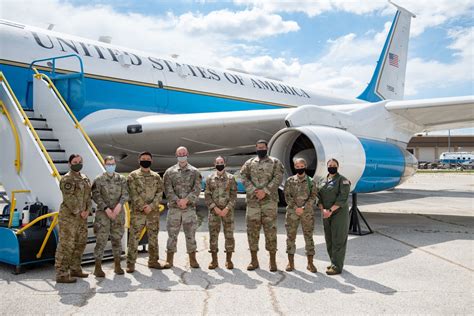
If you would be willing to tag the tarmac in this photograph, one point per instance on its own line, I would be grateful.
(419, 260)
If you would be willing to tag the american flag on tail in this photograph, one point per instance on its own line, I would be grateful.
(393, 59)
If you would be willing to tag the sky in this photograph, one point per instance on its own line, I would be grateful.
(327, 45)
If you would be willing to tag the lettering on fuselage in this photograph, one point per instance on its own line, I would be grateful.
(112, 54)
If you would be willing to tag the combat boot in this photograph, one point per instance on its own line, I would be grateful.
(332, 271)
(254, 261)
(169, 260)
(98, 272)
(214, 264)
(228, 261)
(310, 266)
(192, 260)
(65, 279)
(291, 263)
(130, 267)
(154, 265)
(79, 273)
(273, 264)
(117, 268)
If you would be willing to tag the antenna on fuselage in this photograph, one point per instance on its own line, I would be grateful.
(105, 39)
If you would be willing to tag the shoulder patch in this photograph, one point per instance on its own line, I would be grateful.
(346, 182)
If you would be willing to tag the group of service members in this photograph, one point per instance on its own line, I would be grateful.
(144, 188)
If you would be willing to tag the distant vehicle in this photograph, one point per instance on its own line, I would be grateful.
(456, 158)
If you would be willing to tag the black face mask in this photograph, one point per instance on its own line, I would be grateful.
(262, 153)
(332, 170)
(77, 167)
(145, 163)
(220, 167)
(301, 171)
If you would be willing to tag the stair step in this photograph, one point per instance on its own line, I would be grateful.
(40, 119)
(60, 161)
(49, 139)
(56, 151)
(46, 129)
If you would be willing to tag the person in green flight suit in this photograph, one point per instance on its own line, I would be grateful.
(333, 194)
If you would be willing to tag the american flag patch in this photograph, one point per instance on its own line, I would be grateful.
(346, 182)
(393, 59)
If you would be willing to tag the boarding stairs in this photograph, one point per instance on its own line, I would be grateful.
(36, 143)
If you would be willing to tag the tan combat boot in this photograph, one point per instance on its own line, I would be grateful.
(333, 271)
(65, 279)
(154, 265)
(228, 261)
(169, 260)
(310, 266)
(130, 267)
(79, 273)
(117, 268)
(273, 264)
(192, 260)
(291, 263)
(254, 261)
(98, 272)
(214, 263)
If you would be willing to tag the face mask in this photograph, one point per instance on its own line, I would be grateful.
(76, 167)
(110, 168)
(182, 159)
(262, 153)
(332, 170)
(145, 163)
(220, 167)
(301, 171)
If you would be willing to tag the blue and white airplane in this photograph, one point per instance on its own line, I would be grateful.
(129, 101)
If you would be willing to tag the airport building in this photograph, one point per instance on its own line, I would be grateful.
(429, 148)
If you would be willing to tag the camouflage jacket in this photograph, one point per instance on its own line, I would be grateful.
(182, 183)
(108, 191)
(221, 191)
(145, 188)
(76, 190)
(300, 192)
(265, 174)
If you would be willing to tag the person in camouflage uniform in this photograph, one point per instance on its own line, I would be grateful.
(182, 188)
(73, 212)
(146, 190)
(262, 176)
(300, 195)
(110, 193)
(220, 196)
(333, 195)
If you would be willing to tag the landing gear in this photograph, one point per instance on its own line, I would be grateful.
(354, 213)
(18, 270)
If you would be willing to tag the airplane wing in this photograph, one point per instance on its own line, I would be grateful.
(437, 113)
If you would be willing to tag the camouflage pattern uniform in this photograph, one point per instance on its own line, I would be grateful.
(144, 188)
(76, 190)
(221, 191)
(265, 174)
(182, 183)
(300, 192)
(331, 192)
(107, 192)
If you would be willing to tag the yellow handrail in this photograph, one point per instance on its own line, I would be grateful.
(17, 161)
(13, 205)
(27, 122)
(36, 220)
(142, 233)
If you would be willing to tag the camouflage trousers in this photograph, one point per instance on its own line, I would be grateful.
(215, 227)
(176, 218)
(292, 221)
(104, 227)
(72, 242)
(138, 221)
(262, 213)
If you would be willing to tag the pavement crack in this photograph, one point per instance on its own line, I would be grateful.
(442, 221)
(273, 298)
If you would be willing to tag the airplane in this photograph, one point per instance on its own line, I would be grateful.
(129, 101)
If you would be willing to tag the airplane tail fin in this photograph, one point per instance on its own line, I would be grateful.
(388, 80)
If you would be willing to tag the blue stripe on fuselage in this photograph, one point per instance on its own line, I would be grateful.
(106, 94)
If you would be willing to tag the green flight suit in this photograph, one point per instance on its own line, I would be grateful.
(331, 192)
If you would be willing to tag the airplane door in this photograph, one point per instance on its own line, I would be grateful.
(161, 94)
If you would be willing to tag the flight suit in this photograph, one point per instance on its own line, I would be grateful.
(182, 183)
(265, 174)
(221, 192)
(300, 192)
(331, 192)
(107, 192)
(76, 191)
(144, 188)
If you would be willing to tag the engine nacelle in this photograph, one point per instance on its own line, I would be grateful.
(370, 165)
